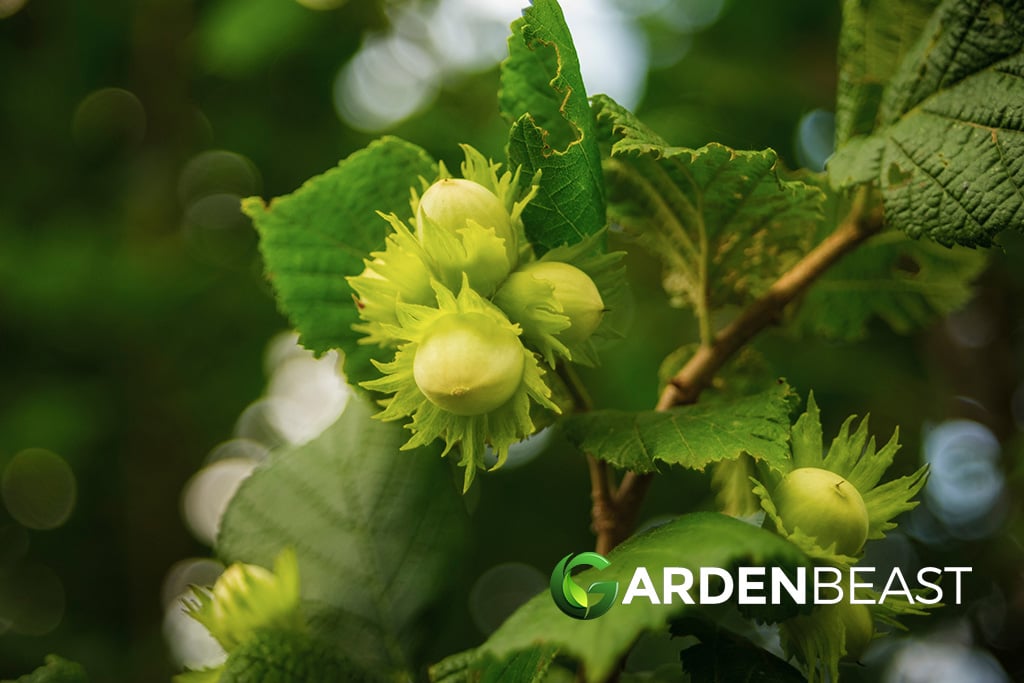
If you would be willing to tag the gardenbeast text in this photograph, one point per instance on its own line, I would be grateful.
(771, 585)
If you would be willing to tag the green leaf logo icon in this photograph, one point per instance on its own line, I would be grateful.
(571, 598)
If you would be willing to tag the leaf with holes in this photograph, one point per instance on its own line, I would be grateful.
(906, 283)
(377, 532)
(949, 151)
(725, 222)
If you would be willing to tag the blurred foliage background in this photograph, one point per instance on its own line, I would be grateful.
(135, 322)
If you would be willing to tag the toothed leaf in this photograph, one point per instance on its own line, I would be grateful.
(315, 237)
(716, 429)
(542, 95)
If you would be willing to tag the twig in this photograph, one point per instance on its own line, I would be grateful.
(603, 514)
(619, 514)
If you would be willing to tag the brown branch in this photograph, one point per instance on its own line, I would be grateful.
(685, 388)
(604, 514)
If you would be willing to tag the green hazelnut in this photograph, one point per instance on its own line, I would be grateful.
(468, 364)
(574, 291)
(450, 202)
(859, 626)
(392, 276)
(824, 505)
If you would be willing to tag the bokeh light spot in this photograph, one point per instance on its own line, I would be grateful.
(254, 424)
(191, 645)
(192, 571)
(965, 485)
(8, 8)
(396, 74)
(207, 494)
(109, 117)
(815, 135)
(219, 232)
(973, 327)
(692, 15)
(933, 661)
(217, 171)
(388, 80)
(39, 489)
(239, 448)
(308, 395)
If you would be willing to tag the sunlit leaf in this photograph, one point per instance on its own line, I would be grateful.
(314, 237)
(377, 532)
(716, 429)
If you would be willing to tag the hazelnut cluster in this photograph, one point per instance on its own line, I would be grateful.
(470, 311)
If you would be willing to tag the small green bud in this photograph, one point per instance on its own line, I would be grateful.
(247, 598)
(468, 364)
(824, 505)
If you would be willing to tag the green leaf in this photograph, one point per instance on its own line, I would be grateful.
(55, 670)
(907, 283)
(697, 540)
(273, 655)
(314, 237)
(472, 666)
(856, 162)
(377, 533)
(730, 480)
(875, 36)
(889, 500)
(725, 222)
(724, 657)
(542, 95)
(949, 148)
(200, 676)
(716, 429)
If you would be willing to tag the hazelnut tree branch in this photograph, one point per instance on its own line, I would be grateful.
(616, 508)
